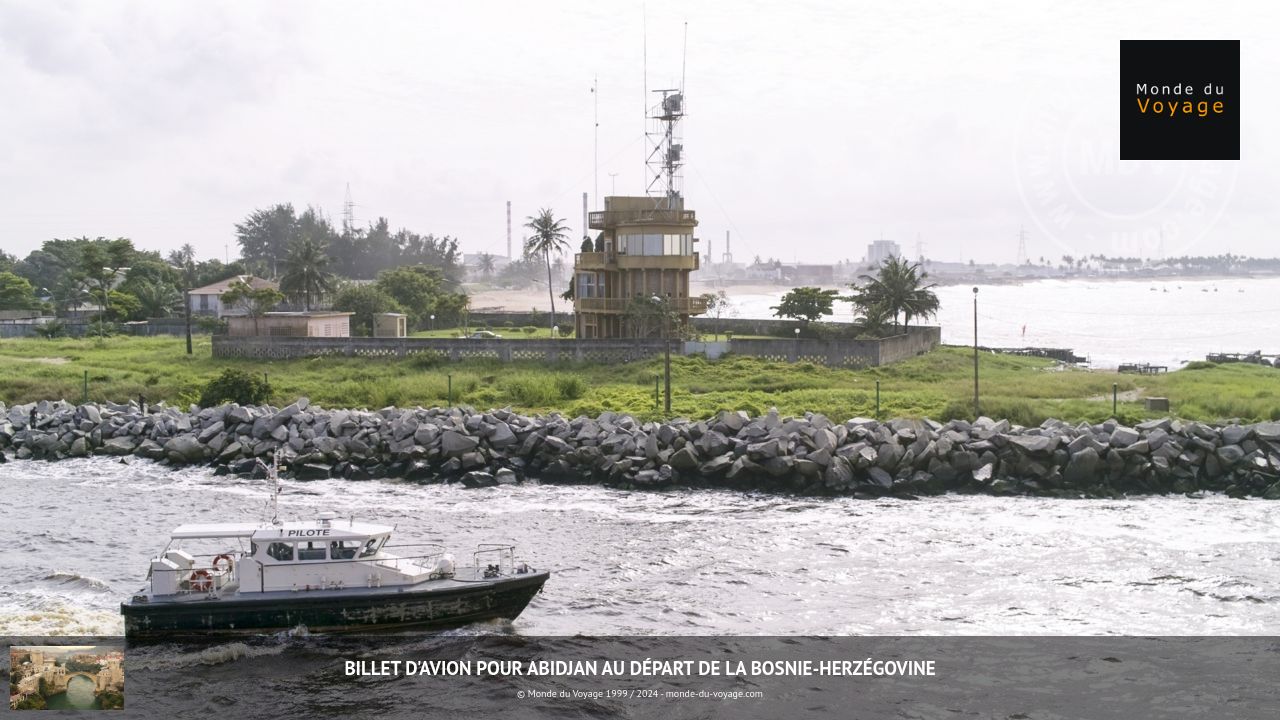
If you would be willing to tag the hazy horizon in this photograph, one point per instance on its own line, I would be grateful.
(813, 128)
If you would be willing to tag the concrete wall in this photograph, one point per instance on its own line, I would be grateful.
(836, 353)
(280, 348)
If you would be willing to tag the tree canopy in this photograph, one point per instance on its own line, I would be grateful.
(16, 293)
(806, 304)
(898, 288)
(267, 236)
(421, 291)
(366, 301)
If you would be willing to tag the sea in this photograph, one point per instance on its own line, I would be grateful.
(1166, 321)
(1027, 607)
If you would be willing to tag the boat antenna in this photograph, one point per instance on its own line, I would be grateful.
(274, 474)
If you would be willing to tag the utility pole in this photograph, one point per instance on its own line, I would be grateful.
(187, 308)
(976, 412)
(664, 304)
(509, 257)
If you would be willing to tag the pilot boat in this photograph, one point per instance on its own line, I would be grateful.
(327, 574)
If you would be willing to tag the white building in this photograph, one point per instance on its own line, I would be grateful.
(207, 300)
(880, 250)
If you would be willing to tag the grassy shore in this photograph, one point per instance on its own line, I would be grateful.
(937, 385)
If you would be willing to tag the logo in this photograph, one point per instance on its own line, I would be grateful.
(1179, 99)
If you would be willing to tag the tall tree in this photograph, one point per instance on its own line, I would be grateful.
(264, 236)
(183, 256)
(100, 269)
(898, 288)
(306, 271)
(549, 236)
(7, 261)
(486, 264)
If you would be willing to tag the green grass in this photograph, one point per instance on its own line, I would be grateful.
(937, 385)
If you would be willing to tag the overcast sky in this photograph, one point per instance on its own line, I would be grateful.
(813, 127)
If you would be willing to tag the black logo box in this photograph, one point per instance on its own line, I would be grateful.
(1189, 65)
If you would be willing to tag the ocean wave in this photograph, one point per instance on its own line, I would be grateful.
(76, 580)
(61, 619)
(168, 657)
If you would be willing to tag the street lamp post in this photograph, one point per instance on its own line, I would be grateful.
(976, 412)
(433, 323)
(666, 353)
(796, 347)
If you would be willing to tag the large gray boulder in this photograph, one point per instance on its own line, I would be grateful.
(454, 443)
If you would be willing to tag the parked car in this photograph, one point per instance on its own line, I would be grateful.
(484, 335)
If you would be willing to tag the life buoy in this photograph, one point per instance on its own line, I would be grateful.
(201, 581)
(230, 562)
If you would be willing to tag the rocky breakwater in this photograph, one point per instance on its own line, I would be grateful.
(809, 454)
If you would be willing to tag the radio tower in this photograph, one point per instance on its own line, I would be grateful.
(666, 148)
(348, 213)
(1022, 246)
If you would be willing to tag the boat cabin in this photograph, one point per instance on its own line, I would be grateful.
(325, 553)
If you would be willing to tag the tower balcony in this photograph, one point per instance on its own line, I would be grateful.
(615, 261)
(680, 305)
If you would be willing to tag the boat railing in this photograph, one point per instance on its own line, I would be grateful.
(414, 564)
(491, 552)
(199, 580)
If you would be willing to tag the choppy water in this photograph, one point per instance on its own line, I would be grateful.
(78, 534)
(1163, 322)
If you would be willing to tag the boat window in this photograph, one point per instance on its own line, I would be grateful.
(371, 547)
(280, 551)
(311, 552)
(343, 549)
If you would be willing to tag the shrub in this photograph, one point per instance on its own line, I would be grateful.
(528, 330)
(211, 325)
(235, 386)
(50, 330)
(101, 328)
(570, 387)
(1200, 365)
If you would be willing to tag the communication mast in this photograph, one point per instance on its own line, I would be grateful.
(348, 213)
(1022, 246)
(666, 148)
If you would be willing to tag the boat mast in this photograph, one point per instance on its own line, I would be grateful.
(274, 474)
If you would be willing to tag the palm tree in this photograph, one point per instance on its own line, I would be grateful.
(159, 300)
(896, 290)
(306, 273)
(182, 257)
(486, 264)
(549, 235)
